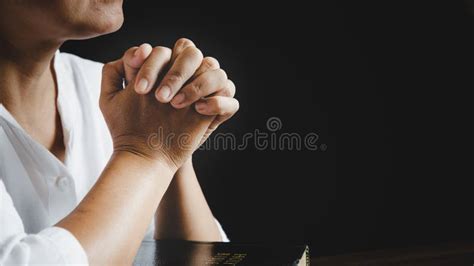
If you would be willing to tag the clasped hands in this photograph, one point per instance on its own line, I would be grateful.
(171, 92)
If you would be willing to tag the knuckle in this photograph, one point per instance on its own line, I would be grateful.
(193, 91)
(146, 71)
(210, 63)
(175, 76)
(130, 51)
(183, 42)
(227, 92)
(193, 51)
(222, 74)
(231, 88)
(162, 50)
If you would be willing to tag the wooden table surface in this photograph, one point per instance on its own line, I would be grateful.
(450, 254)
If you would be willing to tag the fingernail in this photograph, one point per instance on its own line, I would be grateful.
(178, 99)
(163, 93)
(142, 85)
(201, 106)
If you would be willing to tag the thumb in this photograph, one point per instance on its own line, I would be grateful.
(112, 78)
(133, 60)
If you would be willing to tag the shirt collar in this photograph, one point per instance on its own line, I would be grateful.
(39, 162)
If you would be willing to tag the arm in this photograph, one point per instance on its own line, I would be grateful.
(112, 219)
(183, 212)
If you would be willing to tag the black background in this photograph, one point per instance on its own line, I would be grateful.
(387, 87)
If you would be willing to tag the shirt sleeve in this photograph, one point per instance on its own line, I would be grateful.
(53, 245)
(221, 231)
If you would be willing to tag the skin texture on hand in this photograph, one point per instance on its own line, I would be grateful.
(134, 118)
(183, 212)
(137, 177)
(205, 86)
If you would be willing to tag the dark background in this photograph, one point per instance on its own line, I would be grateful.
(387, 87)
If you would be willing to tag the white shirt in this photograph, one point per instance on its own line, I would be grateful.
(36, 189)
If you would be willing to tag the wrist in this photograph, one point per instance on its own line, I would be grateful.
(155, 165)
(188, 162)
(186, 166)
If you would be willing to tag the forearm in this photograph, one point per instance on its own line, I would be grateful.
(111, 221)
(183, 212)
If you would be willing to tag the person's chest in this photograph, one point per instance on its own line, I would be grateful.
(43, 188)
